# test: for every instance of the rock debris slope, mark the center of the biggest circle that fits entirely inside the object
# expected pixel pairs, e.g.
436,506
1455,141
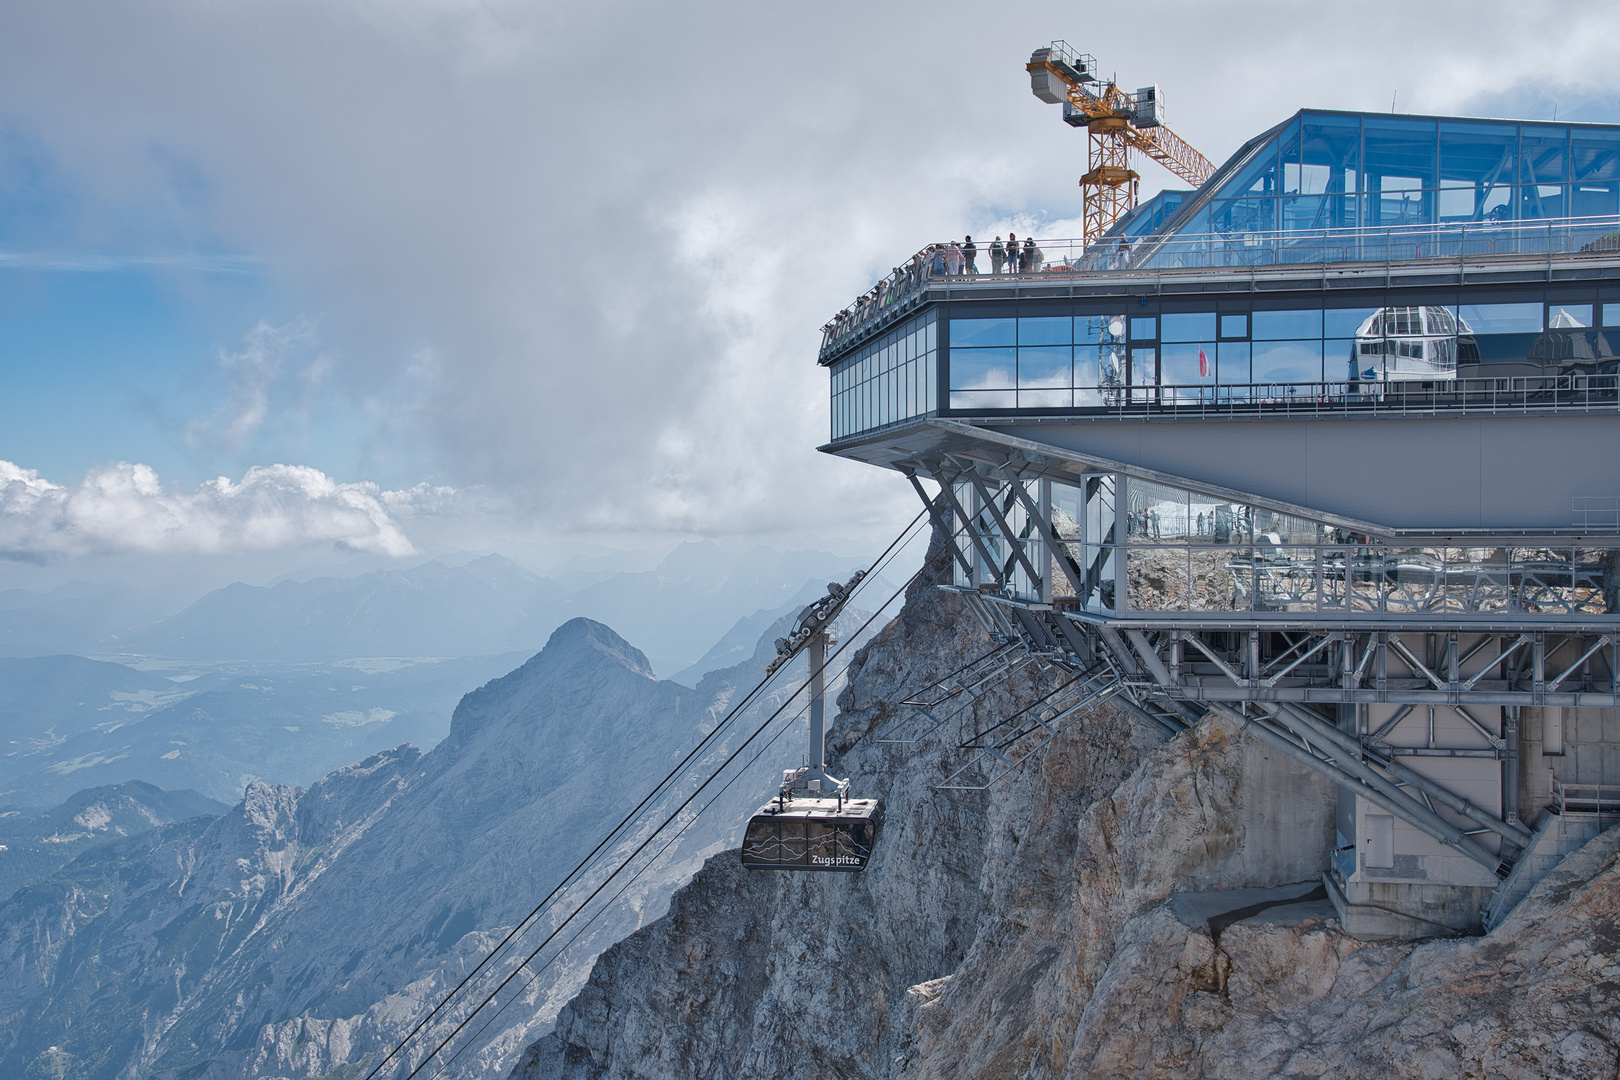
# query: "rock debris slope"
1059,926
305,930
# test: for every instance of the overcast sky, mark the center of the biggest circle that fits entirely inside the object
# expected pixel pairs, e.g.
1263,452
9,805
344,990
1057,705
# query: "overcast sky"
280,277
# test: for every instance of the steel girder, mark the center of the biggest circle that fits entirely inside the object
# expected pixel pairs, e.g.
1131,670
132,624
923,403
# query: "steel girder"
1319,665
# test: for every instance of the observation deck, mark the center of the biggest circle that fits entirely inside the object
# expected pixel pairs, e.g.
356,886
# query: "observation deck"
1326,447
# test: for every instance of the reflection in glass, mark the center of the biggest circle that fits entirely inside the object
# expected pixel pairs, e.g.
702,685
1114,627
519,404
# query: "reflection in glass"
1198,326
1287,361
1345,322
1187,364
983,399
1568,316
1502,318
1144,329
1233,366
1399,344
1143,375
1234,326
1045,366
983,332
1045,331
983,369
1284,325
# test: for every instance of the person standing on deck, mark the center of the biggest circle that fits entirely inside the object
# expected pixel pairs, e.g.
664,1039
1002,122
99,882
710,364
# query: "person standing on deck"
1012,253
970,257
998,255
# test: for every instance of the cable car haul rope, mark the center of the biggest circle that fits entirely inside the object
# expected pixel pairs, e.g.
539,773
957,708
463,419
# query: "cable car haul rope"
811,824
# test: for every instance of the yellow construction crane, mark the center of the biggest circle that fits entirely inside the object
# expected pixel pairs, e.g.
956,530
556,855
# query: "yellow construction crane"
1116,121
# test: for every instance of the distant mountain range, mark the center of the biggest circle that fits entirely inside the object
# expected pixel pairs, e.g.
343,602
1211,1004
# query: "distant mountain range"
68,723
484,606
35,844
304,931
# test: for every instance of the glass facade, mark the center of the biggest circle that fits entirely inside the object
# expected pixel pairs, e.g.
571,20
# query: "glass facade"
1038,360
1056,358
887,380
1323,171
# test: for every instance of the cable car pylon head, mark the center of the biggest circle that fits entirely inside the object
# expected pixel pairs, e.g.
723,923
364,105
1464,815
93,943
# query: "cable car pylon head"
813,823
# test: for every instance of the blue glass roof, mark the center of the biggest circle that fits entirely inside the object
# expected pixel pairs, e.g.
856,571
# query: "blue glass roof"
1323,170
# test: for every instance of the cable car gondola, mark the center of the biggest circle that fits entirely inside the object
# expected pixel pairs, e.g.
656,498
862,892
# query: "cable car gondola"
811,832
812,823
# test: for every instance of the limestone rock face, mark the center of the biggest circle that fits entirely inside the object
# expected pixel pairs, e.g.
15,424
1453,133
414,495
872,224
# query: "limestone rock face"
1071,922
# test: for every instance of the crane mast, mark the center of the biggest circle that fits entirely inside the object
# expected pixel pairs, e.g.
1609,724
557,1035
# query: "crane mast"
1116,122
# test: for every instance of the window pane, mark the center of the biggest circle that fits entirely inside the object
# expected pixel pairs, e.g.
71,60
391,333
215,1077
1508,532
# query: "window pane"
1234,363
1098,329
982,369
1287,361
1611,315
983,332
1050,365
1045,399
983,399
1595,170
1568,316
1400,147
1596,155
1543,155
1595,200
1056,331
1339,359
1306,213
1197,326
1400,169
1234,326
1331,148
1501,318
1144,329
1243,215
1478,164
1280,325
1102,365
1345,322
1144,367
1180,365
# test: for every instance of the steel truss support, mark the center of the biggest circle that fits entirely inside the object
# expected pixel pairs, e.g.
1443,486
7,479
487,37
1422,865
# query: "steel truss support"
1172,677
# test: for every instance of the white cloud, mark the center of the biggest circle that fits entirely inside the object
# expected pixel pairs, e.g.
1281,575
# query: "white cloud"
595,286
124,508
254,374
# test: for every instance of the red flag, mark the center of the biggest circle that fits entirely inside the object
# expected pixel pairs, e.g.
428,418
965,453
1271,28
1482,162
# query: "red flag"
1203,365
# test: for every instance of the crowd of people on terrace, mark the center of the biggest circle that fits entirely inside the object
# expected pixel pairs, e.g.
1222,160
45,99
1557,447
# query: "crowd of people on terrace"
953,259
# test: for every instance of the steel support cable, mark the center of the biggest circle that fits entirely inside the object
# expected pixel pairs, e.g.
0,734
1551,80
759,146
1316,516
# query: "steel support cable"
603,908
647,865
631,818
653,835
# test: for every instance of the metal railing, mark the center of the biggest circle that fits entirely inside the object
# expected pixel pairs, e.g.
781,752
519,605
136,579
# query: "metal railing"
1061,259
1585,798
1555,393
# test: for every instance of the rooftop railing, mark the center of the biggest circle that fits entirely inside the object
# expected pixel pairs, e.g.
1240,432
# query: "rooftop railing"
1057,260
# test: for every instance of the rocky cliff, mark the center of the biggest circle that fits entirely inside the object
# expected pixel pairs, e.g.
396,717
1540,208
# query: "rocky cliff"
1121,907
